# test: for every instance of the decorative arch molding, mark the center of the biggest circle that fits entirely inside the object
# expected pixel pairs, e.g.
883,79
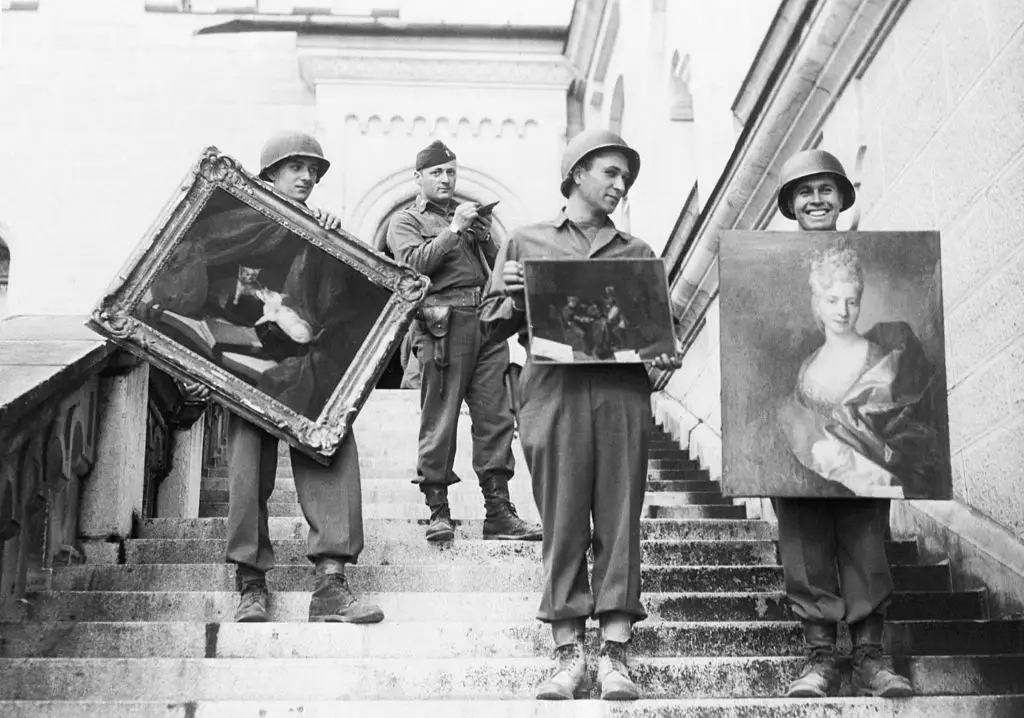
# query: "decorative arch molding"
504,128
398,189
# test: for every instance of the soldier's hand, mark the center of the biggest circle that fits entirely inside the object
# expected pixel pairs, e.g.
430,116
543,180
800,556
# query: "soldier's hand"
512,275
193,390
666,361
465,213
481,228
327,220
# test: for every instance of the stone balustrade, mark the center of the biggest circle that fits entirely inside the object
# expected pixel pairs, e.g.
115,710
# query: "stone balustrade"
91,440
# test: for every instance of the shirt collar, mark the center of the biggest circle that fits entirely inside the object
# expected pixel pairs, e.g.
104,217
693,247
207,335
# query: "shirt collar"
423,204
562,219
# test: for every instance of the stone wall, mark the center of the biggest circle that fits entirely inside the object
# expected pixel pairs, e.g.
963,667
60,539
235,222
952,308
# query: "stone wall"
932,133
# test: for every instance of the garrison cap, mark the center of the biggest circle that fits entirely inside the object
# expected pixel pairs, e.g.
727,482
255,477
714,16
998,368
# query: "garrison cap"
436,153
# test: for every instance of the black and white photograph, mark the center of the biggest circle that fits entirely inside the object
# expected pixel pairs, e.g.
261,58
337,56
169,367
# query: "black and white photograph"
833,365
402,358
596,311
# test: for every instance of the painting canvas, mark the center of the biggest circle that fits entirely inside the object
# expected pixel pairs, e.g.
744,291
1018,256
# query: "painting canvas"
833,365
597,310
239,288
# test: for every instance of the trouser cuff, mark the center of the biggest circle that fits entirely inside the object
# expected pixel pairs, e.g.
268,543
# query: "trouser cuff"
568,632
248,575
330,564
616,627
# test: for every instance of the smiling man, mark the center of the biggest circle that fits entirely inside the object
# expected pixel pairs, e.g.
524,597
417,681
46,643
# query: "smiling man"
584,429
833,550
451,244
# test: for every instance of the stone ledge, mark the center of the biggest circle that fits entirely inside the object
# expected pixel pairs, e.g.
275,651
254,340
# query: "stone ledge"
981,553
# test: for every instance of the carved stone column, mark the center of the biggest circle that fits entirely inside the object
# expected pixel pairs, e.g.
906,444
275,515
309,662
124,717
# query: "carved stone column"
113,493
178,493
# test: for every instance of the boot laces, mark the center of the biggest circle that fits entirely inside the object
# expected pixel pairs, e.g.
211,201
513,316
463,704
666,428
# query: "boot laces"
819,660
253,593
441,511
567,655
873,658
615,653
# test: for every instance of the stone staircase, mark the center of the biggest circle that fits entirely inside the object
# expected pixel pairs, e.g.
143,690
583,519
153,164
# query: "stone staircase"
152,636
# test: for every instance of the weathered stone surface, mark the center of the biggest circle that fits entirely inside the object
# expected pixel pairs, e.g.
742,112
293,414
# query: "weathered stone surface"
292,606
509,678
204,577
919,707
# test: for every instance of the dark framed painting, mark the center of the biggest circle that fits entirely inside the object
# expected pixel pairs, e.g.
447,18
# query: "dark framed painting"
597,310
239,288
833,365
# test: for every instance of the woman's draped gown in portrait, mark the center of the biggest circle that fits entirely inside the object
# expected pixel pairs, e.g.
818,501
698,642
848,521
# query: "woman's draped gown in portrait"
872,437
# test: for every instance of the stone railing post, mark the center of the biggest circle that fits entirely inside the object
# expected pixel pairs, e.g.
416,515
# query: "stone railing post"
113,494
178,493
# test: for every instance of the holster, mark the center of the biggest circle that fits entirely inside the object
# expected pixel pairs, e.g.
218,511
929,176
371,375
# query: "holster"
437,321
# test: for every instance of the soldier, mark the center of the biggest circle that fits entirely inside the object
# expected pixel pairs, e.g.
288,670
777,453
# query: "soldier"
833,550
584,430
452,245
330,496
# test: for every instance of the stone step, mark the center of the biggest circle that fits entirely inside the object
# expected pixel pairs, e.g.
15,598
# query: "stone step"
292,606
656,474
411,529
1004,706
494,578
198,679
695,485
654,511
396,492
467,551
424,639
416,550
473,508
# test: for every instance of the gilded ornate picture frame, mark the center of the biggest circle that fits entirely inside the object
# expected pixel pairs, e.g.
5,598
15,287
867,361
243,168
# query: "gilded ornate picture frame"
833,365
239,288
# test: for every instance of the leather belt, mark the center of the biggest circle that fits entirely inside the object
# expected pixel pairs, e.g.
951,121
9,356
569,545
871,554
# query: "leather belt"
457,297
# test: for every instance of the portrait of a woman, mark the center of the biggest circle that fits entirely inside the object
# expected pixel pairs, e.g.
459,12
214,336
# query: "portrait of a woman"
854,417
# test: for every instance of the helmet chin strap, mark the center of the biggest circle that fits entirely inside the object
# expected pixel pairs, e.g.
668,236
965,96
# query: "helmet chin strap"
625,221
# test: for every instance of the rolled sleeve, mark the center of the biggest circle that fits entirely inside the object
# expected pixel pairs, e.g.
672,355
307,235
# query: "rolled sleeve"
501,315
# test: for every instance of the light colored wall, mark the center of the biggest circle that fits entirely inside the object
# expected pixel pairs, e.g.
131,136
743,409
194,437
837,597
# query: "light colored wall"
940,117
673,153
933,132
106,106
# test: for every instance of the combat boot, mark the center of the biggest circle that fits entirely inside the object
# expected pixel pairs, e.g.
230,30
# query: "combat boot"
613,675
252,595
819,676
873,673
501,522
440,527
571,679
333,601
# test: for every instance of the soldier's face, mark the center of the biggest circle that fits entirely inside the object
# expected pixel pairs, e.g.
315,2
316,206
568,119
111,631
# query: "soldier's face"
296,177
438,182
816,203
603,184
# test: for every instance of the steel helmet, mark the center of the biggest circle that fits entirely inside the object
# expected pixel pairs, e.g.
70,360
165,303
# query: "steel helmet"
292,144
590,141
807,164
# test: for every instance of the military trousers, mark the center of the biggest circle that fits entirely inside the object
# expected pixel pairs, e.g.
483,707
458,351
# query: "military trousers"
330,498
475,374
585,432
833,557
